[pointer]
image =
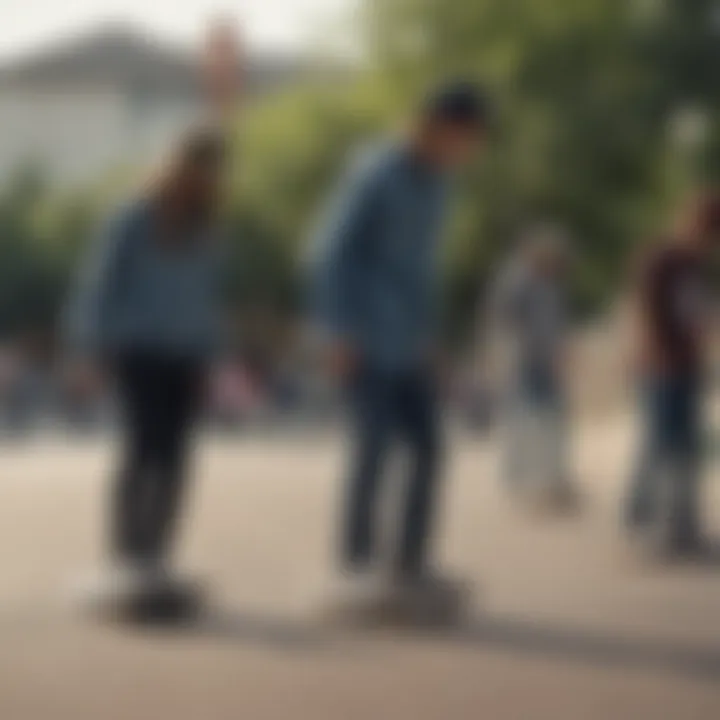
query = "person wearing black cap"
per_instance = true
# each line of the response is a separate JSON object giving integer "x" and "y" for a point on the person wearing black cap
{"x": 375, "y": 280}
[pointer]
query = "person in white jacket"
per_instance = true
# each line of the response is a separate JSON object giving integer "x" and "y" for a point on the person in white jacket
{"x": 528, "y": 323}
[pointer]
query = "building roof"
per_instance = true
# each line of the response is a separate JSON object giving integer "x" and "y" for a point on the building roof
{"x": 125, "y": 58}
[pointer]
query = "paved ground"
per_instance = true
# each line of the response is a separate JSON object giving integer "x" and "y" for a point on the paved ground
{"x": 567, "y": 626}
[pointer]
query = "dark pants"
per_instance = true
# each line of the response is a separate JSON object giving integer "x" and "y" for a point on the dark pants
{"x": 385, "y": 406}
{"x": 160, "y": 399}
{"x": 668, "y": 473}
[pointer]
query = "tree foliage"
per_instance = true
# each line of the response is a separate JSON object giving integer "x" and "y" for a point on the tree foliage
{"x": 607, "y": 112}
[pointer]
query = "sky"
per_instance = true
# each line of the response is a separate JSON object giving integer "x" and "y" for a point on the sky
{"x": 271, "y": 24}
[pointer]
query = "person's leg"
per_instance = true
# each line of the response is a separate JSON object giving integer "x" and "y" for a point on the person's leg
{"x": 182, "y": 391}
{"x": 130, "y": 493}
{"x": 419, "y": 421}
{"x": 684, "y": 531}
{"x": 555, "y": 415}
{"x": 641, "y": 505}
{"x": 516, "y": 439}
{"x": 532, "y": 451}
{"x": 371, "y": 408}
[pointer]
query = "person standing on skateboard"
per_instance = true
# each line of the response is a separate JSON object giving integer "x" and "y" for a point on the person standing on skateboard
{"x": 376, "y": 273}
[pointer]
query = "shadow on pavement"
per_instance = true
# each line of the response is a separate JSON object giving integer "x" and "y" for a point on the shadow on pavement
{"x": 255, "y": 629}
{"x": 524, "y": 637}
{"x": 590, "y": 648}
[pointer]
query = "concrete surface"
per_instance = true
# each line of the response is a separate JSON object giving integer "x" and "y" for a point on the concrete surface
{"x": 567, "y": 624}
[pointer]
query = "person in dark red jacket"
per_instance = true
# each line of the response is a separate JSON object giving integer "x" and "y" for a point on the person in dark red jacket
{"x": 673, "y": 311}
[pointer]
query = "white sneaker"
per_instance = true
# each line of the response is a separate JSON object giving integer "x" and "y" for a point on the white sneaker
{"x": 138, "y": 591}
{"x": 100, "y": 593}
{"x": 359, "y": 587}
{"x": 356, "y": 596}
{"x": 430, "y": 584}
{"x": 120, "y": 581}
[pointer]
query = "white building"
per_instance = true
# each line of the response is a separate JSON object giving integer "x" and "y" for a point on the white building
{"x": 111, "y": 99}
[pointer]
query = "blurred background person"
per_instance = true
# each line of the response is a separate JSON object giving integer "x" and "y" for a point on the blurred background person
{"x": 146, "y": 312}
{"x": 376, "y": 283}
{"x": 528, "y": 318}
{"x": 673, "y": 313}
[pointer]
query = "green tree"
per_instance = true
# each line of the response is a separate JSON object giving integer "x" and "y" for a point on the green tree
{"x": 586, "y": 92}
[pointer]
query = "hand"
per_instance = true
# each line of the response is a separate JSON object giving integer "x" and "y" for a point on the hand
{"x": 85, "y": 379}
{"x": 342, "y": 360}
{"x": 564, "y": 361}
{"x": 440, "y": 367}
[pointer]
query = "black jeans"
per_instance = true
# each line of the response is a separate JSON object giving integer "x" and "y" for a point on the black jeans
{"x": 160, "y": 398}
{"x": 384, "y": 405}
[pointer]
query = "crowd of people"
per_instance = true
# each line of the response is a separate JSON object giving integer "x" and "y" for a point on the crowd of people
{"x": 146, "y": 314}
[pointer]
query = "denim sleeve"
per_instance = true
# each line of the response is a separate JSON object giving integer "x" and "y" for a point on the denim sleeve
{"x": 342, "y": 248}
{"x": 432, "y": 305}
{"x": 88, "y": 316}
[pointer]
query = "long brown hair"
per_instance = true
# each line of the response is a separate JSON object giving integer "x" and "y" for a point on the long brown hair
{"x": 185, "y": 191}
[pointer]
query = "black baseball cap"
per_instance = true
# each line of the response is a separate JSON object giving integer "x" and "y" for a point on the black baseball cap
{"x": 460, "y": 102}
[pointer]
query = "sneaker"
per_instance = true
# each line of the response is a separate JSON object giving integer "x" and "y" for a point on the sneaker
{"x": 124, "y": 579}
{"x": 431, "y": 597}
{"x": 359, "y": 586}
{"x": 102, "y": 593}
{"x": 356, "y": 597}
{"x": 687, "y": 547}
{"x": 429, "y": 583}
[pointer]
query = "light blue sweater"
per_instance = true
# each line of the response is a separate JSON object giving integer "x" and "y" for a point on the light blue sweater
{"x": 375, "y": 263}
{"x": 134, "y": 294}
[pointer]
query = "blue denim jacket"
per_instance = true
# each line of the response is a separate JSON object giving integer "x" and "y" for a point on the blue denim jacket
{"x": 375, "y": 262}
{"x": 135, "y": 294}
